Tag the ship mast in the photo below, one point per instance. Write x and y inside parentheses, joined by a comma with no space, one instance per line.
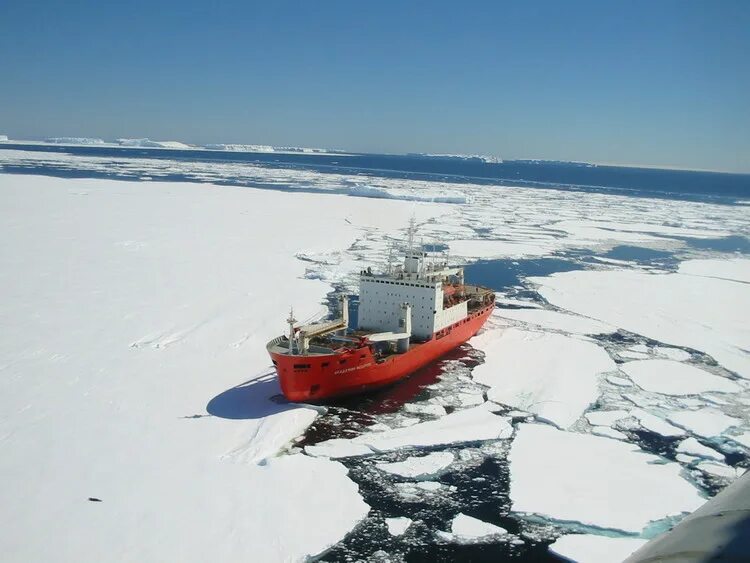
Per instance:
(291,320)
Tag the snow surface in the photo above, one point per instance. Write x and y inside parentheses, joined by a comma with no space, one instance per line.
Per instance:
(675,354)
(425,467)
(707,422)
(606,418)
(656,424)
(694,448)
(550,375)
(588,548)
(553,320)
(653,305)
(136,370)
(743,439)
(598,474)
(469,425)
(677,379)
(398,526)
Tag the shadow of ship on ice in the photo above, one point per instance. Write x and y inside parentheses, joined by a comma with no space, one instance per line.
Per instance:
(256,398)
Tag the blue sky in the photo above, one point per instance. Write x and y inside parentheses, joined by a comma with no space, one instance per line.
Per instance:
(639,82)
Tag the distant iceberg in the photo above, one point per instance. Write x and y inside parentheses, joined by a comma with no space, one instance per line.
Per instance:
(148,143)
(489,159)
(231,147)
(73,141)
(3,138)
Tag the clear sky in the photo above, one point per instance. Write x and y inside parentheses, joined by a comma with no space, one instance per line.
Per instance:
(656,82)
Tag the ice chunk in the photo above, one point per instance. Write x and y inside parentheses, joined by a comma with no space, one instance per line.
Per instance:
(719,470)
(676,354)
(469,425)
(420,468)
(605,418)
(466,529)
(557,321)
(397,526)
(587,548)
(707,423)
(655,424)
(425,408)
(499,249)
(674,378)
(641,348)
(693,447)
(592,475)
(743,439)
(654,305)
(608,432)
(547,374)
(619,381)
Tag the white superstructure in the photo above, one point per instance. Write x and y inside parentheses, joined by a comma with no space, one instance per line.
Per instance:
(418,283)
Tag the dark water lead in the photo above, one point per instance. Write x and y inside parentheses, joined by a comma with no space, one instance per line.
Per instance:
(504,274)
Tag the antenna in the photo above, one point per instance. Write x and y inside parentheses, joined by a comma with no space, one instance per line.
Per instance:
(411,231)
(291,320)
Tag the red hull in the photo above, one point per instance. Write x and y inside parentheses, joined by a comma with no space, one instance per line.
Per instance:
(318,377)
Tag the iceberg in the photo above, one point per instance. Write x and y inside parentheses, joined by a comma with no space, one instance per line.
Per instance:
(591,475)
(72,141)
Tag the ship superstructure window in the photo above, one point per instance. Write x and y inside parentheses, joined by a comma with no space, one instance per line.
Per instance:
(301,366)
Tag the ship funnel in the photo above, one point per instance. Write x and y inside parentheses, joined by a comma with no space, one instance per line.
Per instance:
(404,324)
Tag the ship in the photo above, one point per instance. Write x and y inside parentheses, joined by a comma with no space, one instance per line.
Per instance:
(408,316)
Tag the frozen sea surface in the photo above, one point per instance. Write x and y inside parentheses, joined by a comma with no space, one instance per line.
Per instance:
(146,309)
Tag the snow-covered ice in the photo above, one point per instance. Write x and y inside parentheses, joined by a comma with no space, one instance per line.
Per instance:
(608,432)
(551,375)
(654,305)
(675,378)
(136,370)
(743,439)
(597,475)
(398,526)
(589,548)
(468,425)
(720,470)
(693,447)
(619,381)
(676,354)
(467,529)
(605,418)
(420,468)
(655,424)
(554,320)
(707,422)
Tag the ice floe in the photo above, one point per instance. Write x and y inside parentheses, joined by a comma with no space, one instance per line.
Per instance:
(676,354)
(654,305)
(589,548)
(608,432)
(619,381)
(655,424)
(550,375)
(398,526)
(707,422)
(605,418)
(469,425)
(467,529)
(425,467)
(554,320)
(720,470)
(743,439)
(693,447)
(674,378)
(591,475)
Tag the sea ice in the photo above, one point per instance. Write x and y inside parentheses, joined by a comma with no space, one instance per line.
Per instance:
(466,529)
(654,305)
(676,354)
(425,408)
(550,375)
(398,526)
(605,418)
(742,439)
(655,424)
(469,425)
(143,308)
(608,432)
(619,381)
(693,447)
(707,422)
(674,378)
(591,475)
(737,269)
(588,548)
(426,467)
(554,320)
(498,249)
(719,470)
